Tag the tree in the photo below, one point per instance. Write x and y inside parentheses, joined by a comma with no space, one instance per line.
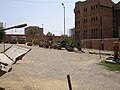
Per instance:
(69,40)
(31,32)
(49,34)
(2,35)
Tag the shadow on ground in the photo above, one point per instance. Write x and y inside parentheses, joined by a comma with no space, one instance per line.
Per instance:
(2,73)
(2,88)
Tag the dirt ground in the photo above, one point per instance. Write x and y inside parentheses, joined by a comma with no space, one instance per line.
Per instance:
(44,69)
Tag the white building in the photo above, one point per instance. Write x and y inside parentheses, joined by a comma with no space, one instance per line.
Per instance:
(1,24)
(71,32)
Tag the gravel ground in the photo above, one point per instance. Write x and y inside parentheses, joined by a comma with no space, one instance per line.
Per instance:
(44,69)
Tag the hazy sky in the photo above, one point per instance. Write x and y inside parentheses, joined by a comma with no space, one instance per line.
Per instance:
(38,12)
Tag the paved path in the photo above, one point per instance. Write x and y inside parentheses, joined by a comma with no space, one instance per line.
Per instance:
(44,69)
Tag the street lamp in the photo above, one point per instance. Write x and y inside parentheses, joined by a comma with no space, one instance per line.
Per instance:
(64,18)
(17,26)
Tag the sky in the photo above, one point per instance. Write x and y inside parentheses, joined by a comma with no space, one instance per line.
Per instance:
(48,14)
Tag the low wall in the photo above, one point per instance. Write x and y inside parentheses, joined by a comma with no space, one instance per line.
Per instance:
(104,44)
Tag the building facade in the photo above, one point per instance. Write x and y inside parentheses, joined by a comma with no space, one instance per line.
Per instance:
(22,39)
(34,30)
(94,22)
(116,19)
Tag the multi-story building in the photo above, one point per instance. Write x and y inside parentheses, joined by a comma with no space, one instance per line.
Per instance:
(35,30)
(94,22)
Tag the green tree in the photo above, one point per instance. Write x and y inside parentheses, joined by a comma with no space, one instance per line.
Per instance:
(69,40)
(31,32)
(50,34)
(2,35)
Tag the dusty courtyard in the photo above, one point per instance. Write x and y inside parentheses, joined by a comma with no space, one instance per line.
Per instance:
(44,69)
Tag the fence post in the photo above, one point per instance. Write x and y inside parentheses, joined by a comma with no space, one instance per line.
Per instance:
(69,82)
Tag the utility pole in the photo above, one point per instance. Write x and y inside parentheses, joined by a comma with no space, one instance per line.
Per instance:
(4,39)
(64,19)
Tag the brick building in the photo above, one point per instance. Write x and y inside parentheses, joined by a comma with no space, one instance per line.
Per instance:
(35,30)
(17,38)
(32,33)
(95,22)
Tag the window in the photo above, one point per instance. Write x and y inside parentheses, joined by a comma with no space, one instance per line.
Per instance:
(91,19)
(85,9)
(96,18)
(96,6)
(101,20)
(85,34)
(86,20)
(94,33)
(91,7)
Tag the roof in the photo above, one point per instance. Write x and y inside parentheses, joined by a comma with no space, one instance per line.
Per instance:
(117,6)
(107,3)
